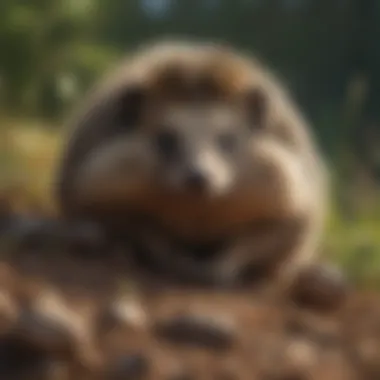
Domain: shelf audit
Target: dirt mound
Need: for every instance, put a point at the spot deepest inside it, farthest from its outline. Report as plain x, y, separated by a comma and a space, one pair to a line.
73, 308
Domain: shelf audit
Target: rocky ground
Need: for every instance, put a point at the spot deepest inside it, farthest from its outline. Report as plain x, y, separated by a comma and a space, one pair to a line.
68, 312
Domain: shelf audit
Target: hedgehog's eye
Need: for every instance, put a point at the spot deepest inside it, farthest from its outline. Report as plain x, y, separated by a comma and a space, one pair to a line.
227, 141
128, 107
167, 143
257, 106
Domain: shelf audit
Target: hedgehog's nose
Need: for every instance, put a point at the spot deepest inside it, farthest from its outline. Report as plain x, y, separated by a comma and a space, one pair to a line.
195, 180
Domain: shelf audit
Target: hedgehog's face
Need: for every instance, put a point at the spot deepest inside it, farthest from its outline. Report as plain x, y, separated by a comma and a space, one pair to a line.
199, 148
199, 140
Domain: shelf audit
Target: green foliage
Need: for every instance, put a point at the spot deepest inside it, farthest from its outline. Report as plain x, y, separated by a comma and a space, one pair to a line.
355, 246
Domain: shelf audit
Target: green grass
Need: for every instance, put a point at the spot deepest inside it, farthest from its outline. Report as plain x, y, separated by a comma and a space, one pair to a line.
355, 246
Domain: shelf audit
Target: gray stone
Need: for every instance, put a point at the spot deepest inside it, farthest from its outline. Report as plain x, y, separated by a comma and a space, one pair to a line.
197, 331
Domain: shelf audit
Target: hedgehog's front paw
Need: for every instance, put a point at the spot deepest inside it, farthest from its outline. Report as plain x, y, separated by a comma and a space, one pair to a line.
85, 237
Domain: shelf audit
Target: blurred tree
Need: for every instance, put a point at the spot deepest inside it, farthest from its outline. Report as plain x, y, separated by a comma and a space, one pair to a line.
41, 41
364, 61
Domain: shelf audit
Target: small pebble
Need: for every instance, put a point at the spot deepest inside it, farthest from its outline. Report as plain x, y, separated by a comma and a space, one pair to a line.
320, 288
197, 331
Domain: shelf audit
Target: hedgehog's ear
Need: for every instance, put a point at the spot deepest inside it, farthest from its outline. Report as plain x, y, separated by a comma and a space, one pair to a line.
129, 107
256, 102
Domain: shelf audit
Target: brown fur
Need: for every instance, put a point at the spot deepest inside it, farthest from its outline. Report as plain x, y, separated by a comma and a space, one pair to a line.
274, 210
